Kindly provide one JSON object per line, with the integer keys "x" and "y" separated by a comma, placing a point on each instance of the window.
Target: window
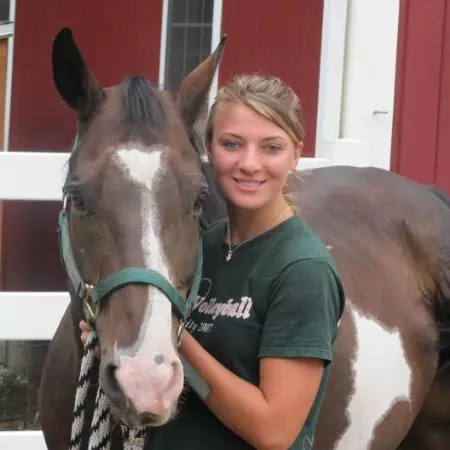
{"x": 189, "y": 32}
{"x": 4, "y": 10}
{"x": 20, "y": 372}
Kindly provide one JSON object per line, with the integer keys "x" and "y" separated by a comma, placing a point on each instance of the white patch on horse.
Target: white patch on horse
{"x": 382, "y": 377}
{"x": 150, "y": 365}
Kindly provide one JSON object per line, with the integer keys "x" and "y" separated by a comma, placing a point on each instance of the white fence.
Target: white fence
{"x": 39, "y": 176}
{"x": 30, "y": 176}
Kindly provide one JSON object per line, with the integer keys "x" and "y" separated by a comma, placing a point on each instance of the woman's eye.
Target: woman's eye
{"x": 272, "y": 148}
{"x": 230, "y": 145}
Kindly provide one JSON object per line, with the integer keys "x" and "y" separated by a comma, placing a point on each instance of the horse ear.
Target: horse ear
{"x": 192, "y": 95}
{"x": 75, "y": 84}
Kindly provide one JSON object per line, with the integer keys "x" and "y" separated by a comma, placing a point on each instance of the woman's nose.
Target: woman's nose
{"x": 250, "y": 160}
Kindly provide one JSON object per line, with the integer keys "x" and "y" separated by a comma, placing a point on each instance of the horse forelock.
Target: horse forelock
{"x": 142, "y": 104}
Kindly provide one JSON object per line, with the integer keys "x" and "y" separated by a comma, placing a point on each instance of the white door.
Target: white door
{"x": 357, "y": 82}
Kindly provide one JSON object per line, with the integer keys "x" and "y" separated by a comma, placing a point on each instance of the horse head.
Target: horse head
{"x": 132, "y": 203}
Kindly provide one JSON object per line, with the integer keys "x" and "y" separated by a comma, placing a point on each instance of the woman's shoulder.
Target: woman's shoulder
{"x": 298, "y": 242}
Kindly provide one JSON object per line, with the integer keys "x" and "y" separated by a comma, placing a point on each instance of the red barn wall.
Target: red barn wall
{"x": 123, "y": 38}
{"x": 281, "y": 38}
{"x": 116, "y": 38}
{"x": 421, "y": 132}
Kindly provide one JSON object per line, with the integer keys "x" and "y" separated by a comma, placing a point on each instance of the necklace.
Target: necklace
{"x": 231, "y": 251}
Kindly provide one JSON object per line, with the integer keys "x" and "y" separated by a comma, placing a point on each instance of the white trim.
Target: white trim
{"x": 8, "y": 91}
{"x": 12, "y": 10}
{"x": 22, "y": 440}
{"x": 31, "y": 315}
{"x": 331, "y": 73}
{"x": 32, "y": 175}
{"x": 306, "y": 163}
{"x": 9, "y": 77}
{"x": 163, "y": 49}
{"x": 6, "y": 30}
{"x": 216, "y": 33}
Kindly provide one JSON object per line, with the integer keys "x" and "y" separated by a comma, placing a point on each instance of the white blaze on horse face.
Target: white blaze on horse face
{"x": 150, "y": 372}
{"x": 382, "y": 377}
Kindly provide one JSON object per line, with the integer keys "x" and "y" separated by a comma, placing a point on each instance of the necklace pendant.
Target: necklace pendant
{"x": 229, "y": 255}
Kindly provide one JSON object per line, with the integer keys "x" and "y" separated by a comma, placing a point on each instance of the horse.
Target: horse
{"x": 132, "y": 199}
{"x": 138, "y": 193}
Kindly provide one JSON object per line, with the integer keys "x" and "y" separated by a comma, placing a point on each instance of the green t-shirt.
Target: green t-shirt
{"x": 279, "y": 296}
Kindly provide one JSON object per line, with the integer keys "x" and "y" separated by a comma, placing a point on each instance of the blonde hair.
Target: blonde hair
{"x": 268, "y": 96}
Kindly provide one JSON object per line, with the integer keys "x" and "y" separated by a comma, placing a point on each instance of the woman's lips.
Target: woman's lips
{"x": 248, "y": 185}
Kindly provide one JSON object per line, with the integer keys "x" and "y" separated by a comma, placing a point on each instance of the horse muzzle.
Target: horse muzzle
{"x": 147, "y": 384}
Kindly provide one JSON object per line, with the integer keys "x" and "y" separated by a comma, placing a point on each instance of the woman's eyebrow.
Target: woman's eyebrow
{"x": 271, "y": 138}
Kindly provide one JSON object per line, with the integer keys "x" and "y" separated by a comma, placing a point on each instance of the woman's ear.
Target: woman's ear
{"x": 298, "y": 150}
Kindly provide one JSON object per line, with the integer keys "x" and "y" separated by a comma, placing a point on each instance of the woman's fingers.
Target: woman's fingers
{"x": 84, "y": 326}
{"x": 85, "y": 330}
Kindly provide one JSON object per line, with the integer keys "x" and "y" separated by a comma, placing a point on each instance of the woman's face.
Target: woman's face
{"x": 252, "y": 157}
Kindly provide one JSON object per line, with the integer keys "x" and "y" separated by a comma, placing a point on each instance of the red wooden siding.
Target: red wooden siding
{"x": 421, "y": 135}
{"x": 281, "y": 38}
{"x": 116, "y": 38}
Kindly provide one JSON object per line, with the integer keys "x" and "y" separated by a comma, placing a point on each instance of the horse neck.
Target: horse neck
{"x": 214, "y": 207}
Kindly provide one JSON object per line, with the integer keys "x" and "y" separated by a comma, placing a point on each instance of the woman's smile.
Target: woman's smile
{"x": 248, "y": 185}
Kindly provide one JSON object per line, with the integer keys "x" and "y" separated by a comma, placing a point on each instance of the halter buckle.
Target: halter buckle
{"x": 181, "y": 328}
{"x": 91, "y": 309}
{"x": 64, "y": 203}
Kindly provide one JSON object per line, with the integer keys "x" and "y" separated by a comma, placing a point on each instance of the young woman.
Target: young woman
{"x": 262, "y": 331}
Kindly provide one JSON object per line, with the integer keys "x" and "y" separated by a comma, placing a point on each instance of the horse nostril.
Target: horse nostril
{"x": 110, "y": 375}
{"x": 111, "y": 370}
{"x": 147, "y": 419}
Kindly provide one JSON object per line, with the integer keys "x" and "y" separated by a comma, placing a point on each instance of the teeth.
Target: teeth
{"x": 249, "y": 183}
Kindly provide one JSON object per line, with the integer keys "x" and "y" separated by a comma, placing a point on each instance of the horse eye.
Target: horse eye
{"x": 198, "y": 204}
{"x": 78, "y": 202}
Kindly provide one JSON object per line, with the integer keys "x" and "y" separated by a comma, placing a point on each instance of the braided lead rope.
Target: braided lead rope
{"x": 100, "y": 435}
{"x": 100, "y": 432}
{"x": 87, "y": 365}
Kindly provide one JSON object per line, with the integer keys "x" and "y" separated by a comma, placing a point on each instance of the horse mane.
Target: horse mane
{"x": 142, "y": 103}
{"x": 433, "y": 268}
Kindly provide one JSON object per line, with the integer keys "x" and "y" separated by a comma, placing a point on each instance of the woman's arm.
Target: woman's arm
{"x": 268, "y": 416}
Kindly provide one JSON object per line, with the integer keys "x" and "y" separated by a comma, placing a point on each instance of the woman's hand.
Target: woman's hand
{"x": 85, "y": 330}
